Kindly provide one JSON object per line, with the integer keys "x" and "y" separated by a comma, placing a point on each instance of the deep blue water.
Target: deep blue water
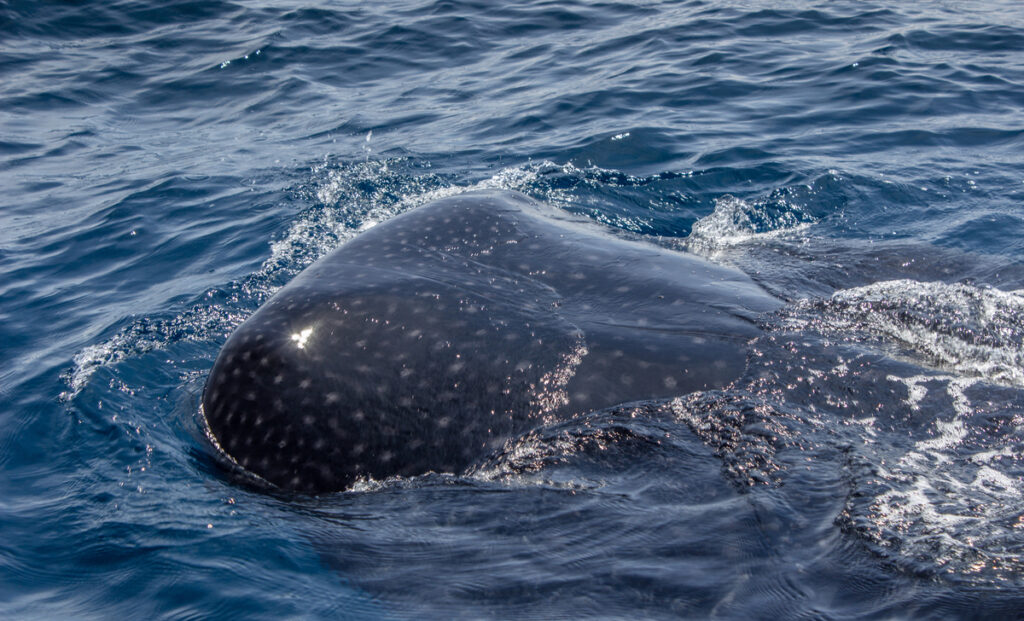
{"x": 166, "y": 167}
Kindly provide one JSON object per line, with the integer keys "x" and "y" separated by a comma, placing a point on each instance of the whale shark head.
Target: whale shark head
{"x": 429, "y": 340}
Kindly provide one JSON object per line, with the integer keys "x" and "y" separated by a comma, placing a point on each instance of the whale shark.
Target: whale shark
{"x": 430, "y": 340}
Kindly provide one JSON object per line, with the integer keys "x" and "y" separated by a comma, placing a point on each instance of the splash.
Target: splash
{"x": 974, "y": 331}
{"x": 736, "y": 222}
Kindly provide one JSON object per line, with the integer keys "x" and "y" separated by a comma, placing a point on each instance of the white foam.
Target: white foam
{"x": 996, "y": 482}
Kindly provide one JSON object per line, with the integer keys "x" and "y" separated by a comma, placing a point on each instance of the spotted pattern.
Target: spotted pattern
{"x": 430, "y": 340}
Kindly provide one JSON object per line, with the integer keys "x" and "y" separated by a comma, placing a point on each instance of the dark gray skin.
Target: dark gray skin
{"x": 428, "y": 341}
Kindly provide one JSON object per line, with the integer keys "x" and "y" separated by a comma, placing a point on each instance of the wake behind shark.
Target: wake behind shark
{"x": 428, "y": 341}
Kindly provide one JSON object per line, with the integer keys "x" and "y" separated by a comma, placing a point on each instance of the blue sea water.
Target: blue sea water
{"x": 166, "y": 167}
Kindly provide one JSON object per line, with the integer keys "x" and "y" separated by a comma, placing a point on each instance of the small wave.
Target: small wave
{"x": 735, "y": 221}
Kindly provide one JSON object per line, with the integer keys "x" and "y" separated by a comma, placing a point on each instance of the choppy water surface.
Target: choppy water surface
{"x": 166, "y": 168}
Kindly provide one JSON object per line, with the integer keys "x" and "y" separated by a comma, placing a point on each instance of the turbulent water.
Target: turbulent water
{"x": 166, "y": 167}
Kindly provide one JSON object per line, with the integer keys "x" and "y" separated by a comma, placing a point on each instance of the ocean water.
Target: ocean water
{"x": 166, "y": 167}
